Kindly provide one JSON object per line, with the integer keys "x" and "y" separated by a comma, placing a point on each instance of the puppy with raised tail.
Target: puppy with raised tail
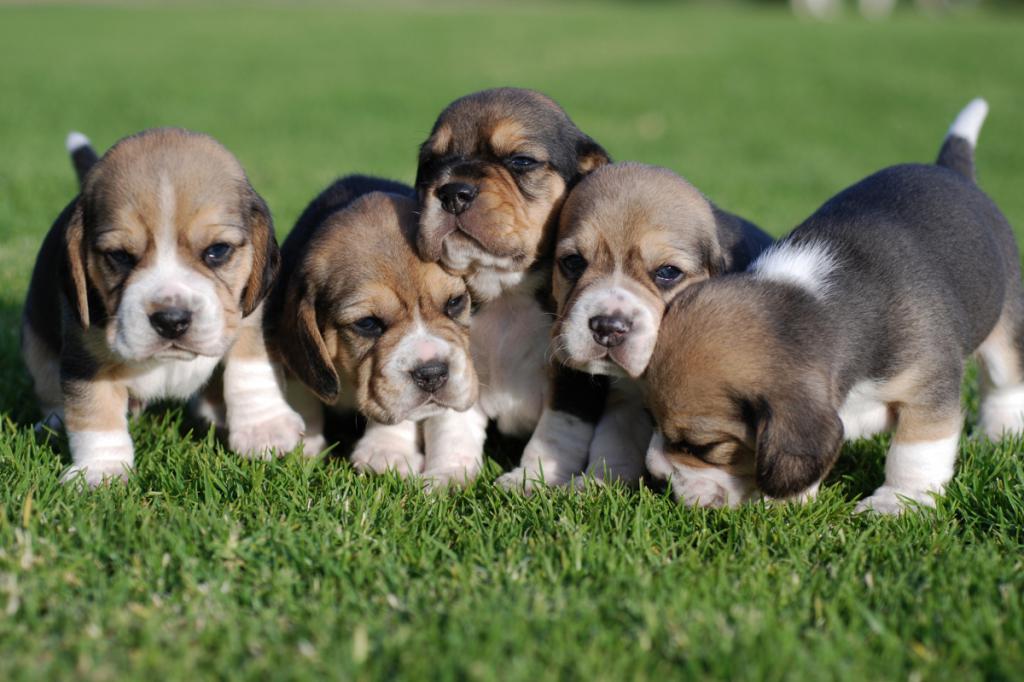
{"x": 491, "y": 180}
{"x": 630, "y": 238}
{"x": 858, "y": 322}
{"x": 147, "y": 280}
{"x": 363, "y": 323}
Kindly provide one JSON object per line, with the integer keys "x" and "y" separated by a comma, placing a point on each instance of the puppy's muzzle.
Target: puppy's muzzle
{"x": 430, "y": 376}
{"x": 456, "y": 196}
{"x": 610, "y": 330}
{"x": 171, "y": 323}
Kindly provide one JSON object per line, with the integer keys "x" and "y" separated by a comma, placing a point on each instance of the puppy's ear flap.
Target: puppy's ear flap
{"x": 798, "y": 441}
{"x": 266, "y": 256}
{"x": 713, "y": 258}
{"x": 72, "y": 264}
{"x": 302, "y": 345}
{"x": 589, "y": 155}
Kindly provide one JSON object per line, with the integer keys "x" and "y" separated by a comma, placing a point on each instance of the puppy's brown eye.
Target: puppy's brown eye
{"x": 455, "y": 305}
{"x": 120, "y": 259}
{"x": 217, "y": 254}
{"x": 371, "y": 327}
{"x": 694, "y": 449}
{"x": 667, "y": 275}
{"x": 521, "y": 162}
{"x": 572, "y": 266}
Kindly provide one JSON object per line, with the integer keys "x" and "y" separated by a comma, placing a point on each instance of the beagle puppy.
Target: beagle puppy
{"x": 858, "y": 322}
{"x": 630, "y": 238}
{"x": 363, "y": 323}
{"x": 148, "y": 279}
{"x": 491, "y": 179}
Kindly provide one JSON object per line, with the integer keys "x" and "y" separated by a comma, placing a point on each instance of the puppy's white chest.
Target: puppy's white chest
{"x": 866, "y": 411}
{"x": 509, "y": 340}
{"x": 171, "y": 378}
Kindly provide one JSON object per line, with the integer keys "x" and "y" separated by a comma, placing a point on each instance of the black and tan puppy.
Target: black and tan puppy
{"x": 363, "y": 323}
{"x": 146, "y": 281}
{"x": 630, "y": 238}
{"x": 858, "y": 322}
{"x": 491, "y": 180}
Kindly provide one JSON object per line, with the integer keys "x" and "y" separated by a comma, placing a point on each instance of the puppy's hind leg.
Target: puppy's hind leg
{"x": 1001, "y": 372}
{"x": 920, "y": 460}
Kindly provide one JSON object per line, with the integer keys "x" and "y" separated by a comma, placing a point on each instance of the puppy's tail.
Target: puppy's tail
{"x": 957, "y": 151}
{"x": 83, "y": 156}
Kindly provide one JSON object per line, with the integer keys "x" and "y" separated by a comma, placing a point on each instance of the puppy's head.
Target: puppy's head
{"x": 491, "y": 178}
{"x": 630, "y": 238}
{"x": 168, "y": 247}
{"x": 363, "y": 309}
{"x": 735, "y": 383}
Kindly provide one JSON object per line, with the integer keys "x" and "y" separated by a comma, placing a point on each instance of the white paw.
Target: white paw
{"x": 97, "y": 472}
{"x": 888, "y": 500}
{"x": 370, "y": 459}
{"x": 526, "y": 481}
{"x": 268, "y": 438}
{"x": 701, "y": 492}
{"x": 313, "y": 445}
{"x": 448, "y": 477}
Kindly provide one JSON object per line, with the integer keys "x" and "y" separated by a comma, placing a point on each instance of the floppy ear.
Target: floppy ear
{"x": 266, "y": 257}
{"x": 589, "y": 155}
{"x": 72, "y": 265}
{"x": 302, "y": 345}
{"x": 798, "y": 441}
{"x": 712, "y": 258}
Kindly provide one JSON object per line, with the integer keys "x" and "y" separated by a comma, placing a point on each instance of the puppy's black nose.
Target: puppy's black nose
{"x": 431, "y": 376}
{"x": 171, "y": 323}
{"x": 610, "y": 330}
{"x": 456, "y": 196}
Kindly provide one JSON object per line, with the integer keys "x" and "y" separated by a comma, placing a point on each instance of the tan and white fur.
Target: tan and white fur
{"x": 630, "y": 238}
{"x": 150, "y": 278}
{"x": 364, "y": 324}
{"x": 858, "y": 322}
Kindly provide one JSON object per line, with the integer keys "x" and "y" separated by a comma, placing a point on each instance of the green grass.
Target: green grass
{"x": 207, "y": 565}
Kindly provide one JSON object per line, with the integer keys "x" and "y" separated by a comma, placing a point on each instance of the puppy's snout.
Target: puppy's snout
{"x": 171, "y": 323}
{"x": 610, "y": 330}
{"x": 431, "y": 376}
{"x": 456, "y": 196}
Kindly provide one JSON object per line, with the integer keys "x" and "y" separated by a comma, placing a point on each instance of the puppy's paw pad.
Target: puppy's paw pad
{"x": 893, "y": 501}
{"x": 97, "y": 472}
{"x": 701, "y": 493}
{"x": 524, "y": 481}
{"x": 373, "y": 460}
{"x": 448, "y": 478}
{"x": 267, "y": 438}
{"x": 313, "y": 445}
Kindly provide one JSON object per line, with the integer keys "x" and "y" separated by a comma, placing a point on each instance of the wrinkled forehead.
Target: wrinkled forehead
{"x": 180, "y": 180}
{"x": 500, "y": 125}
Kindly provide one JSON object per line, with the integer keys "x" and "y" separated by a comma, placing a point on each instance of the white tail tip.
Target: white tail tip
{"x": 968, "y": 122}
{"x": 76, "y": 141}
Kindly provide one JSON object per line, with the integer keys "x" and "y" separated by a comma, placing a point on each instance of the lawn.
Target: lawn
{"x": 205, "y": 565}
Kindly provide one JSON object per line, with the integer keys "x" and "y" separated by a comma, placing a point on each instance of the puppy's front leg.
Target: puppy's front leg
{"x": 453, "y": 443}
{"x": 260, "y": 421}
{"x": 95, "y": 414}
{"x": 393, "y": 447}
{"x": 558, "y": 448}
{"x": 621, "y": 437}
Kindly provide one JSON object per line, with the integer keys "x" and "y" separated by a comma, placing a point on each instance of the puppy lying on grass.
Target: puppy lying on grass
{"x": 147, "y": 280}
{"x": 630, "y": 238}
{"x": 858, "y": 322}
{"x": 363, "y": 323}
